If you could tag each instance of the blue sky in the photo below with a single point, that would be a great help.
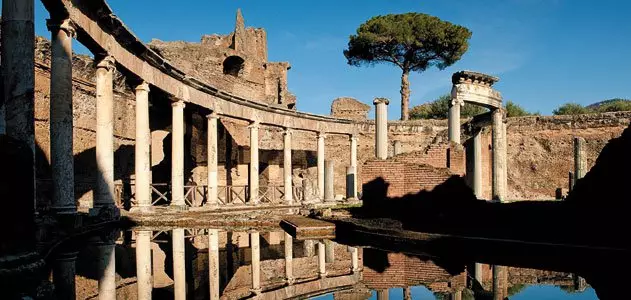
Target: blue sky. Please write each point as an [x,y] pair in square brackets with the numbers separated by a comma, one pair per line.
[546,52]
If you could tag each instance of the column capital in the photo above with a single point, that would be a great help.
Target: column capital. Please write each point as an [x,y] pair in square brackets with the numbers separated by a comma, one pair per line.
[352,137]
[288,131]
[66,25]
[178,104]
[144,86]
[457,101]
[380,101]
[107,62]
[254,124]
[212,115]
[322,134]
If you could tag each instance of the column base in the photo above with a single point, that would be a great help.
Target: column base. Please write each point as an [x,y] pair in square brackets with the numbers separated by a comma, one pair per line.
[256,291]
[290,281]
[142,210]
[322,275]
[178,207]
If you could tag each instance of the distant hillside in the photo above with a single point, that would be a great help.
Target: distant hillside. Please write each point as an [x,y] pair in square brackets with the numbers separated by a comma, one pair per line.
[597,105]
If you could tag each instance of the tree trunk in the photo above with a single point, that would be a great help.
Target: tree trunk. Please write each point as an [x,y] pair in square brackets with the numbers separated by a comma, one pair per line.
[405,95]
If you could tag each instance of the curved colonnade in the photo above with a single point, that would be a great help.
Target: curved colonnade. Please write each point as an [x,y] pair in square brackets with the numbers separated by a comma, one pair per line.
[94,25]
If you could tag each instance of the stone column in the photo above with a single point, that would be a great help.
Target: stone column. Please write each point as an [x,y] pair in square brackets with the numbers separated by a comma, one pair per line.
[106,250]
[64,272]
[454,119]
[143,264]
[142,149]
[354,259]
[213,263]
[256,262]
[289,253]
[500,282]
[397,148]
[499,156]
[179,264]
[61,154]
[382,294]
[177,157]
[477,163]
[212,197]
[287,171]
[407,293]
[17,107]
[477,272]
[329,179]
[254,163]
[321,260]
[321,137]
[381,127]
[104,191]
[579,158]
[351,171]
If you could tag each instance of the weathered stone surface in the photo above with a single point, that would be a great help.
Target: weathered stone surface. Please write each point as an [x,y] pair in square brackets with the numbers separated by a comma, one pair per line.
[349,108]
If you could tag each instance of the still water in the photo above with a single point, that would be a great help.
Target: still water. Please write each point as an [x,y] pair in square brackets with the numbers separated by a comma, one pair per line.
[270,264]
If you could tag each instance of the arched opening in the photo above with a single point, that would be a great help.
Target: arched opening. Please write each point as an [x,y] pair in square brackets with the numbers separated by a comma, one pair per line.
[233,65]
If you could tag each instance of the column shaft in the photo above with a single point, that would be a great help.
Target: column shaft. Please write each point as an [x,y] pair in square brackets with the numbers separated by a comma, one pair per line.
[107,281]
[143,264]
[213,263]
[64,273]
[351,172]
[177,156]
[104,192]
[212,197]
[289,253]
[477,164]
[17,113]
[381,128]
[254,164]
[61,153]
[499,153]
[321,166]
[407,293]
[329,251]
[500,282]
[256,262]
[383,294]
[454,120]
[179,264]
[354,259]
[308,248]
[579,158]
[329,180]
[287,168]
[142,149]
[321,260]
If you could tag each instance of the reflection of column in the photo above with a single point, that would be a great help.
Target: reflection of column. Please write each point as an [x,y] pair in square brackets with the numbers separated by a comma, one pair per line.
[256,262]
[177,156]
[107,267]
[104,191]
[381,127]
[329,247]
[308,248]
[382,294]
[407,293]
[500,282]
[456,295]
[18,80]
[329,180]
[142,148]
[213,263]
[179,264]
[354,259]
[454,119]
[287,171]
[321,260]
[212,160]
[477,163]
[64,275]
[289,253]
[321,137]
[143,264]
[499,153]
[254,163]
[477,273]
[61,153]
[351,172]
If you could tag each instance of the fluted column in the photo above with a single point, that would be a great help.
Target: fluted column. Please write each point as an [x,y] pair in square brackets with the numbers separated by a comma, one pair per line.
[104,192]
[454,119]
[212,197]
[17,113]
[61,153]
[256,262]
[179,264]
[143,264]
[177,157]
[351,172]
[287,168]
[289,254]
[477,163]
[254,163]
[142,149]
[213,263]
[321,260]
[381,127]
[321,137]
[499,156]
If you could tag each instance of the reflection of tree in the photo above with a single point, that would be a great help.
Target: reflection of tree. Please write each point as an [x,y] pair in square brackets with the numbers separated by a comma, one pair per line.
[467,294]
[515,289]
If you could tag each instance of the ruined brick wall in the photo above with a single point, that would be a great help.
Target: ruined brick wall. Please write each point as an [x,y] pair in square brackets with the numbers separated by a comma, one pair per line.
[349,108]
